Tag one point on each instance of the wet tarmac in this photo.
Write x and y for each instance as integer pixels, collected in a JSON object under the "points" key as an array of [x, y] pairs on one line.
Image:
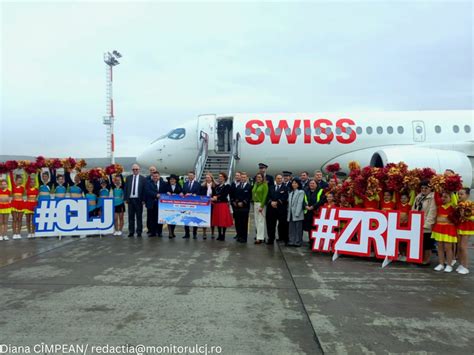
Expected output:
{"points": [[247, 299]]}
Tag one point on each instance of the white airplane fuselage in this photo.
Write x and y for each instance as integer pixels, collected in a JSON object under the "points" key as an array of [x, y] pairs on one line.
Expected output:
{"points": [[310, 141]]}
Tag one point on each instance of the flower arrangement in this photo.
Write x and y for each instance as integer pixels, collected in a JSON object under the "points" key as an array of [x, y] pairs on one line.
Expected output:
{"points": [[114, 169], [68, 163]]}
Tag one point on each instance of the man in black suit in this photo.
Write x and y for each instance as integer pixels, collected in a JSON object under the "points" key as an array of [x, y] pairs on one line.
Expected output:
{"points": [[287, 177], [233, 187], [304, 178], [135, 198], [240, 200], [262, 168], [318, 177], [191, 188], [277, 210], [153, 189], [151, 169]]}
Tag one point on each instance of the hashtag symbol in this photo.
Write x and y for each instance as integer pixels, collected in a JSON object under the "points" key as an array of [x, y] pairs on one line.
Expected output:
{"points": [[45, 216], [323, 232]]}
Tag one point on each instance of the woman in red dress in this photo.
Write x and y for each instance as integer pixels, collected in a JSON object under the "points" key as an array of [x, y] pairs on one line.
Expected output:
{"points": [[18, 205], [31, 202], [5, 208], [221, 216], [330, 201], [388, 203], [465, 230], [444, 230]]}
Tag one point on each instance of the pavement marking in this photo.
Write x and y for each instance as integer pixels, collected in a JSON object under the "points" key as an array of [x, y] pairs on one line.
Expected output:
{"points": [[315, 335]]}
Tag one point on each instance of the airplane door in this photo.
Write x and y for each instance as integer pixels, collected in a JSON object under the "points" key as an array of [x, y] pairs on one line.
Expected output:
{"points": [[419, 131], [207, 124]]}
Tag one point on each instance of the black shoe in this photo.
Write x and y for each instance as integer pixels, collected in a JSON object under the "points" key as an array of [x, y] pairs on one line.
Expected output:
{"points": [[204, 237], [270, 242], [186, 237], [160, 235], [243, 241], [139, 235], [221, 239], [195, 237], [151, 235], [236, 237], [130, 235], [170, 237]]}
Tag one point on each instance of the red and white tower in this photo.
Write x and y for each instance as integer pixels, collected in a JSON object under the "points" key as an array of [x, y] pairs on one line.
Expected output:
{"points": [[110, 60]]}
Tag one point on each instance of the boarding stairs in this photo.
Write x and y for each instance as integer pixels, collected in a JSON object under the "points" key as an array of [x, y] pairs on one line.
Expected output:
{"points": [[216, 162]]}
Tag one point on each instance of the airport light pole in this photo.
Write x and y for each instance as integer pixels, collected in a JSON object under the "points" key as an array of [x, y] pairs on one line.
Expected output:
{"points": [[110, 60]]}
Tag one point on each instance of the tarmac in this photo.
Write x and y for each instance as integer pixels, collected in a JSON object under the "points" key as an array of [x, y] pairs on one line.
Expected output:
{"points": [[246, 299]]}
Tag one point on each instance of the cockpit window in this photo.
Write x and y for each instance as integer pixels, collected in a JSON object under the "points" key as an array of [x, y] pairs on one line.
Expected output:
{"points": [[177, 133]]}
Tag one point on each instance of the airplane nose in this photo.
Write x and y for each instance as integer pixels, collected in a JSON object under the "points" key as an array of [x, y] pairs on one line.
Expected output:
{"points": [[145, 158]]}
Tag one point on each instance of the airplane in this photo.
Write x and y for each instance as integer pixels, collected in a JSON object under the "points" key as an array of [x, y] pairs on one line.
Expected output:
{"points": [[310, 141]]}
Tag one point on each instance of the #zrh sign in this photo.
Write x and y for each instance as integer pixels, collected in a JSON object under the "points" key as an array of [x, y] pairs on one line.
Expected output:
{"points": [[368, 232]]}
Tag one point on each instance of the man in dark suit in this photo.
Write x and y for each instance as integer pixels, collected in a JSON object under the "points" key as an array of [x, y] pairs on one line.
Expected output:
{"points": [[304, 178], [240, 200], [151, 169], [287, 177], [277, 210], [135, 198], [233, 187], [153, 189], [191, 188], [318, 177], [262, 168]]}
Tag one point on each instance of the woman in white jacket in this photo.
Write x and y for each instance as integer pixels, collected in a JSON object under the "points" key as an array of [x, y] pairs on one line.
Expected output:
{"points": [[295, 214], [425, 202]]}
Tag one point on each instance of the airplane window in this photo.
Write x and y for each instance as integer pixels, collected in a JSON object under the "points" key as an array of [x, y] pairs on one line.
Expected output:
{"points": [[278, 131], [298, 131], [177, 133], [348, 130], [400, 129], [258, 131], [328, 130], [338, 130], [379, 130], [359, 130], [307, 131], [248, 131], [389, 129], [287, 131], [467, 128], [456, 129], [267, 131], [369, 130], [438, 129], [318, 131]]}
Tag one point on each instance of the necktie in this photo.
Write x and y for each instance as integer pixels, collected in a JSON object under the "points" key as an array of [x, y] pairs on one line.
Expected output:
{"points": [[133, 185]]}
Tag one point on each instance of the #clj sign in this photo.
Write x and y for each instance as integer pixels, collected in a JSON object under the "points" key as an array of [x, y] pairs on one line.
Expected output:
{"points": [[69, 216]]}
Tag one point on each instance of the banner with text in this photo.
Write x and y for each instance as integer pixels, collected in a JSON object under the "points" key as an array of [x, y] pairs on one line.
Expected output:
{"points": [[193, 211], [69, 216], [368, 233]]}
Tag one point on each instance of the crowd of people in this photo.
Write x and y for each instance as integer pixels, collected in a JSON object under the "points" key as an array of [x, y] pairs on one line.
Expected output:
{"points": [[283, 206]]}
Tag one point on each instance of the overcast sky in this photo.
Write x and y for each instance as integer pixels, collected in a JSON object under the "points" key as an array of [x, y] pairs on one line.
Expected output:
{"points": [[184, 59]]}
